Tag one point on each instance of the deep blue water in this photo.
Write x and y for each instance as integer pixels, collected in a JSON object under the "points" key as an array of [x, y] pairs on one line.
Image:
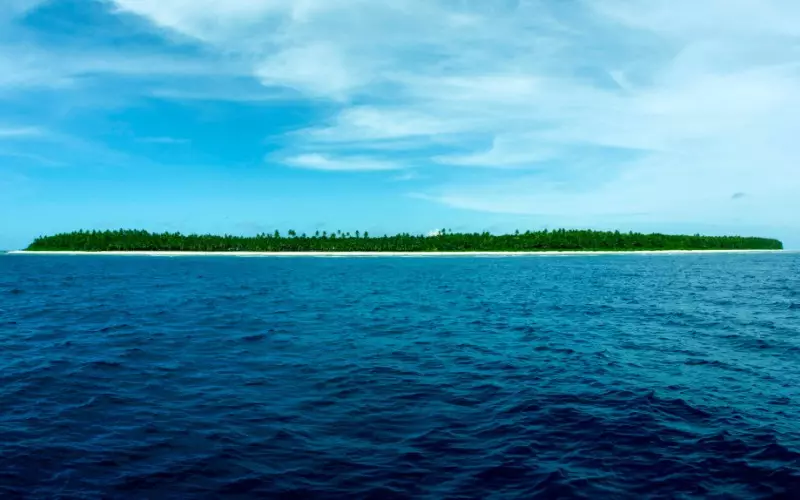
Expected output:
{"points": [[621, 376]]}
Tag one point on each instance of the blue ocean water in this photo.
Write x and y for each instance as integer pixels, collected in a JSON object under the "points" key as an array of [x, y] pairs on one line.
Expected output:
{"points": [[619, 376]]}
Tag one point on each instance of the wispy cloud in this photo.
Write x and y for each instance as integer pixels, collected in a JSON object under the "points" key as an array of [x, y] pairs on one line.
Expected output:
{"points": [[32, 158], [28, 61], [20, 132], [588, 111], [313, 161], [27, 67], [703, 96], [227, 91], [407, 176]]}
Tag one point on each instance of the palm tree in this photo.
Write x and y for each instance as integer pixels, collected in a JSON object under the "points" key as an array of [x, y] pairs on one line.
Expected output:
{"points": [[558, 239]]}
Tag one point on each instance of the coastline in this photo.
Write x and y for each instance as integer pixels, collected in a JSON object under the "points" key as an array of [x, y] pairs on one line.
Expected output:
{"points": [[384, 254]]}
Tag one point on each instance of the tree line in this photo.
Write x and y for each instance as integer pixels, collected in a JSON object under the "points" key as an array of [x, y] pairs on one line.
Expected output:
{"points": [[444, 241]]}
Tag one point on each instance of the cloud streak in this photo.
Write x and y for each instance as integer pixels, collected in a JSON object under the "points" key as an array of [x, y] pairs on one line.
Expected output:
{"points": [[315, 161], [20, 132]]}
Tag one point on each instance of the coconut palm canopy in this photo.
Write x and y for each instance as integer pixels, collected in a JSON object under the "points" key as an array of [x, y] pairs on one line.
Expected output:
{"points": [[444, 241]]}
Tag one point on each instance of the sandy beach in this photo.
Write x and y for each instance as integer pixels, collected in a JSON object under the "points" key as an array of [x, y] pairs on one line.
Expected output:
{"points": [[388, 254]]}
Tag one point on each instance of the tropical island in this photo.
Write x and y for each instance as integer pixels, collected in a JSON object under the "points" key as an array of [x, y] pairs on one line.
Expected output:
{"points": [[560, 240]]}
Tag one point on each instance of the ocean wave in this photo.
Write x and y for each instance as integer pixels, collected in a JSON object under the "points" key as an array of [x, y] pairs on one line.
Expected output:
{"points": [[400, 378]]}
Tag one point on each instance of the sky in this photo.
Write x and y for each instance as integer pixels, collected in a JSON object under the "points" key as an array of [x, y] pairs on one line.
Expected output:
{"points": [[246, 116]]}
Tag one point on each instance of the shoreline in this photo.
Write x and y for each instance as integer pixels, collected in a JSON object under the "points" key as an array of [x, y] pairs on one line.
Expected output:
{"points": [[383, 254]]}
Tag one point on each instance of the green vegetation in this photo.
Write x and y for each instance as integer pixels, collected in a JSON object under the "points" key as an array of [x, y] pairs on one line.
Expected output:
{"points": [[445, 241]]}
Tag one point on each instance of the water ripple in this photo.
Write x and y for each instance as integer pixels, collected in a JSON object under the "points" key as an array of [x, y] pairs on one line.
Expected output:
{"points": [[597, 377]]}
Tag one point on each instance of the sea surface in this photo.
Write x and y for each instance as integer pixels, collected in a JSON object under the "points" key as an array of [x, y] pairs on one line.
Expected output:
{"points": [[615, 376]]}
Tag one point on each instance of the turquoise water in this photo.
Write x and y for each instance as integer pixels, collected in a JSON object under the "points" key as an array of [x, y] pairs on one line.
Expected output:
{"points": [[624, 376]]}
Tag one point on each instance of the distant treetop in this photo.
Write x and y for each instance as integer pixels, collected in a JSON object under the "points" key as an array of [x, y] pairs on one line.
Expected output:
{"points": [[443, 241]]}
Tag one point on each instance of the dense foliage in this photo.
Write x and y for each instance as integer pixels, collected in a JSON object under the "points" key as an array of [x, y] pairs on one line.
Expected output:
{"points": [[443, 242]]}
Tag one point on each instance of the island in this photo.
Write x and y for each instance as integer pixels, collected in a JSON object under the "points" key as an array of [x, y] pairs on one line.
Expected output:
{"points": [[443, 241]]}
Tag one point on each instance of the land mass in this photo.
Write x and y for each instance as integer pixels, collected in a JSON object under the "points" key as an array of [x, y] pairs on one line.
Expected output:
{"points": [[444, 241]]}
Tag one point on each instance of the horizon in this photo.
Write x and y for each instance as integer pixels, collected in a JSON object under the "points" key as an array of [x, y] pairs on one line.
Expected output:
{"points": [[441, 241], [243, 117], [357, 234]]}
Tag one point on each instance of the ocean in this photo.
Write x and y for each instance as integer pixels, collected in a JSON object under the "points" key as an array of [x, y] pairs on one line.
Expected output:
{"points": [[612, 376]]}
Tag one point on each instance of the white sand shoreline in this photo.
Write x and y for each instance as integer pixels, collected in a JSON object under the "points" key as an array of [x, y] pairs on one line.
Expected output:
{"points": [[388, 254]]}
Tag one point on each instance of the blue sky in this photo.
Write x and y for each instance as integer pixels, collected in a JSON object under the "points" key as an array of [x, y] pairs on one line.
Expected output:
{"points": [[244, 116]]}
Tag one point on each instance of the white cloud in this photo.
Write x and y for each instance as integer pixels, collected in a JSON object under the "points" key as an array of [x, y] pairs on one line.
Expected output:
{"points": [[507, 150], [689, 20], [20, 132], [406, 176], [24, 67], [658, 109], [315, 69], [222, 91], [680, 104], [371, 123], [314, 161]]}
